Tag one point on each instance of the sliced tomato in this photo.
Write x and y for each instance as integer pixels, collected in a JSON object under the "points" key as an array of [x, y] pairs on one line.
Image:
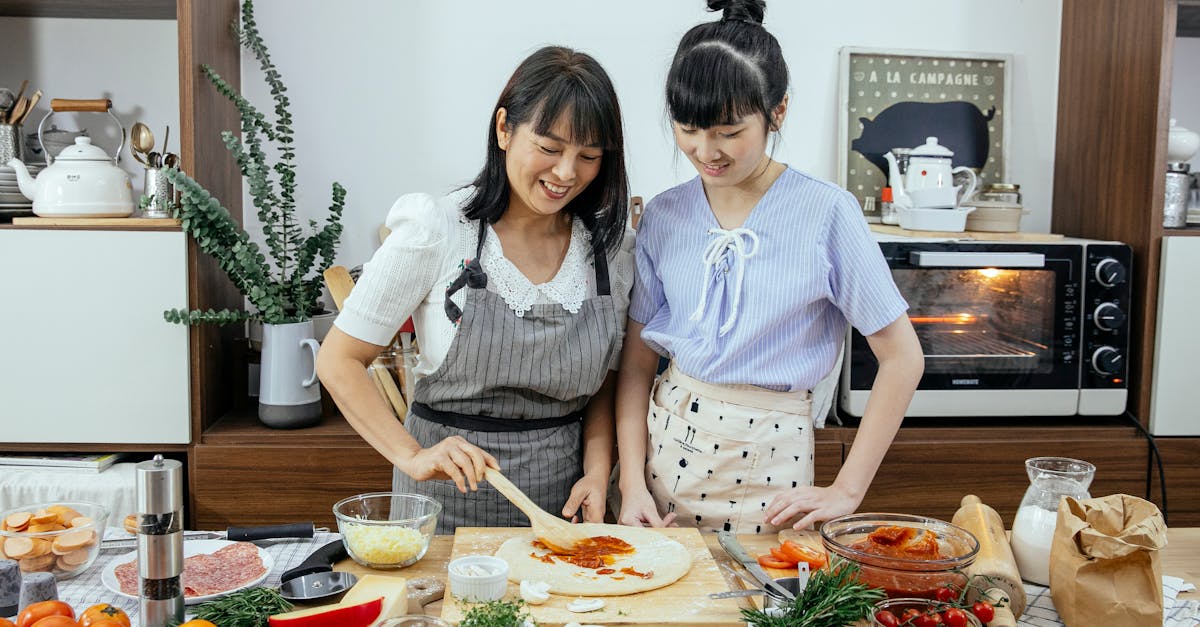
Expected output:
{"points": [[766, 561], [801, 553], [780, 556]]}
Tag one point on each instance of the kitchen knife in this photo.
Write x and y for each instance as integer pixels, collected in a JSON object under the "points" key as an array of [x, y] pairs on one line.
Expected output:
{"points": [[734, 548], [320, 561], [236, 534]]}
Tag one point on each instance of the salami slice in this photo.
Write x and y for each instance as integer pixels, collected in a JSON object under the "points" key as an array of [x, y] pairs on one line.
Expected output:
{"points": [[206, 573]]}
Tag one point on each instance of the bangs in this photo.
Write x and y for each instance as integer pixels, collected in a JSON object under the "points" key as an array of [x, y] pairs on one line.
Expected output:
{"points": [[594, 121], [712, 85]]}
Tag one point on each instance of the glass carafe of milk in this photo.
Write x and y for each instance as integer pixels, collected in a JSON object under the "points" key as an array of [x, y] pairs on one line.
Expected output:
{"points": [[1050, 479]]}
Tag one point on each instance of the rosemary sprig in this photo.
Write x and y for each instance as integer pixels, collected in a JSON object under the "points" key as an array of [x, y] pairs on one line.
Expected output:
{"points": [[832, 598], [244, 608]]}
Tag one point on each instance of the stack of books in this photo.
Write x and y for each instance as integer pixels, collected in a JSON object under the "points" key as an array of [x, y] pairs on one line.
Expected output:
{"points": [[94, 462]]}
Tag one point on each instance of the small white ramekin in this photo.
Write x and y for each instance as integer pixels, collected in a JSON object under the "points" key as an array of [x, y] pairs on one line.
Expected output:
{"points": [[476, 588]]}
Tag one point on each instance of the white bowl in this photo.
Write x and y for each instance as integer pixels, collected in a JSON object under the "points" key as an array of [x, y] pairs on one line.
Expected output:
{"points": [[950, 220], [477, 578]]}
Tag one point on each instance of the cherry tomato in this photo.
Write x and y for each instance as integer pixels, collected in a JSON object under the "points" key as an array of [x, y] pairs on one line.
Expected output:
{"points": [[766, 561], [945, 595], [887, 619], [56, 621], [103, 612], [801, 553], [42, 609], [955, 617], [910, 614], [932, 619], [983, 611]]}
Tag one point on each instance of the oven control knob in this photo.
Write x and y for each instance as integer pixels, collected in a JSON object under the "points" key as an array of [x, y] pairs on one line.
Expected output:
{"points": [[1108, 317], [1110, 272], [1107, 361]]}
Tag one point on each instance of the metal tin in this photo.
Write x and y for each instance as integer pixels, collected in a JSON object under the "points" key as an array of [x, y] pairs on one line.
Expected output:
{"points": [[1176, 203], [10, 143], [160, 194], [160, 541]]}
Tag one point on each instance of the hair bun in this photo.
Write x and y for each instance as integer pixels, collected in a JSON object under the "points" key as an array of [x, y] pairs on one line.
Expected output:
{"points": [[749, 11]]}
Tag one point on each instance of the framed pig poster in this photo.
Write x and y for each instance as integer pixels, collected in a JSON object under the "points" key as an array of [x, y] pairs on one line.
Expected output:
{"points": [[898, 98]]}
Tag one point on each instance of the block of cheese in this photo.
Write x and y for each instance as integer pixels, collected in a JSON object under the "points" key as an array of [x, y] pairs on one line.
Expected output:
{"points": [[393, 590], [372, 600]]}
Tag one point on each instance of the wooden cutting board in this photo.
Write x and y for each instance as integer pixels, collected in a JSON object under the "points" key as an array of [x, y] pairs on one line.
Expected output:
{"points": [[684, 602]]}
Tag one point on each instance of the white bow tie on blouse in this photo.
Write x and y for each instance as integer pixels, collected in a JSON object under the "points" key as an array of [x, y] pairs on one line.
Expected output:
{"points": [[743, 243]]}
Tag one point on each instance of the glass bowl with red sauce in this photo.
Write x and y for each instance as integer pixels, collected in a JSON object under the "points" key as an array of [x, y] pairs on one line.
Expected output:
{"points": [[908, 556]]}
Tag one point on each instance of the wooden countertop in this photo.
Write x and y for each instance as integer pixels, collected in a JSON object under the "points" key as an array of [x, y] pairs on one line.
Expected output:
{"points": [[1181, 558]]}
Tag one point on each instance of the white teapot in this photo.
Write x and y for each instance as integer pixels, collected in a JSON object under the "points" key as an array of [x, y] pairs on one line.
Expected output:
{"points": [[929, 180], [83, 181]]}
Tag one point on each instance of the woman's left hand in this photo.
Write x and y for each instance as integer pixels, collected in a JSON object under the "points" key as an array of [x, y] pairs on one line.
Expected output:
{"points": [[589, 493], [813, 504]]}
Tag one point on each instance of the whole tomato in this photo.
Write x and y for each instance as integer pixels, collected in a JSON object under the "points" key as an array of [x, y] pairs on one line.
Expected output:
{"points": [[197, 622], [56, 621], [103, 612], [42, 609], [4, 622], [108, 622], [983, 611], [910, 615], [954, 617], [887, 619], [945, 595]]}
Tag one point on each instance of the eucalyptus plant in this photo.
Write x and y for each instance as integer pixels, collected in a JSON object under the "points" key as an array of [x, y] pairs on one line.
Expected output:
{"points": [[287, 286]]}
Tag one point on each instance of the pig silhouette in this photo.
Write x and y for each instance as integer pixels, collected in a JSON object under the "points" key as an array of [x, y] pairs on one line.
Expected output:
{"points": [[959, 126]]}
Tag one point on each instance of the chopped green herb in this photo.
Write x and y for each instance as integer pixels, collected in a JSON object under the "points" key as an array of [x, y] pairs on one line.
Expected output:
{"points": [[245, 608], [497, 614]]}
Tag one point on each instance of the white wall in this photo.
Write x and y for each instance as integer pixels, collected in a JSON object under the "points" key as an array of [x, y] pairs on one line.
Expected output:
{"points": [[1185, 87], [394, 97], [134, 63]]}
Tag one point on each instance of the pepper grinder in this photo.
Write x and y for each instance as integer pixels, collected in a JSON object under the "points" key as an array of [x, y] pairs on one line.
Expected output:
{"points": [[160, 541]]}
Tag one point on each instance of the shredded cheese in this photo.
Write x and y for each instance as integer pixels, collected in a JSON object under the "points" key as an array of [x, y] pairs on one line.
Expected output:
{"points": [[383, 545]]}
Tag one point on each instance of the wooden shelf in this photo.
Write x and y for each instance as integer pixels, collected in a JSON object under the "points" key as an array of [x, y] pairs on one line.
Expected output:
{"points": [[1187, 231], [110, 9], [244, 429], [96, 224]]}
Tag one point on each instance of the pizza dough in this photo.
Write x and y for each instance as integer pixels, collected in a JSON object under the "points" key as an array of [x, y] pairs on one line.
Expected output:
{"points": [[662, 560]]}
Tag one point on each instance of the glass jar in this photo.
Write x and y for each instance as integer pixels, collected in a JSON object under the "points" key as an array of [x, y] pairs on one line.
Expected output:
{"points": [[1004, 192], [1050, 479]]}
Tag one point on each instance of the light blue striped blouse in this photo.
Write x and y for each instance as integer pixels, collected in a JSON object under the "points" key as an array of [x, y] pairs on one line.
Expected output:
{"points": [[778, 292]]}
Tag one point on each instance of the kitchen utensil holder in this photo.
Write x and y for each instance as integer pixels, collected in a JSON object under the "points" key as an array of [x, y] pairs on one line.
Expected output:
{"points": [[159, 195], [10, 143]]}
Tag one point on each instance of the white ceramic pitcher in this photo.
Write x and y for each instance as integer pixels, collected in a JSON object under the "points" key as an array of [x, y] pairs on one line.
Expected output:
{"points": [[929, 181], [289, 396]]}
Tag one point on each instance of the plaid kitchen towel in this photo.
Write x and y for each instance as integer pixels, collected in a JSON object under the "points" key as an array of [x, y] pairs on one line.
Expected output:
{"points": [[1040, 612]]}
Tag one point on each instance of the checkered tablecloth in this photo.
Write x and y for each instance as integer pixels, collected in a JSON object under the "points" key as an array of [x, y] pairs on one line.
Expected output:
{"points": [[87, 589], [1040, 612]]}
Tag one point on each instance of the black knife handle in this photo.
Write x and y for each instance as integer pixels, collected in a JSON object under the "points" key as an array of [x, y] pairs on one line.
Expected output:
{"points": [[322, 560], [249, 534]]}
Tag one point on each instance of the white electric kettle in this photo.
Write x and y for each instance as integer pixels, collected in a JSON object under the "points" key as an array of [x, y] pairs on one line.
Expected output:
{"points": [[83, 181], [929, 181]]}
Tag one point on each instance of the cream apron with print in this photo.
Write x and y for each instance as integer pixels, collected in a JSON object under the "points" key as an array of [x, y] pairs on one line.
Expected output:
{"points": [[718, 454], [515, 386]]}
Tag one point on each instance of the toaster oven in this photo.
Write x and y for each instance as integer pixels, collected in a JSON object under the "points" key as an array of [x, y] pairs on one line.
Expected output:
{"points": [[1008, 328]]}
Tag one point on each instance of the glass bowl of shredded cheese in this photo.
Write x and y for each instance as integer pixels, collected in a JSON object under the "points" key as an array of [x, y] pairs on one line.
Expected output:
{"points": [[387, 529]]}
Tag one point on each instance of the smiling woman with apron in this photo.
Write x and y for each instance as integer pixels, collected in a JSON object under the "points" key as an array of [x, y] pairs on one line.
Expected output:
{"points": [[516, 387], [519, 321]]}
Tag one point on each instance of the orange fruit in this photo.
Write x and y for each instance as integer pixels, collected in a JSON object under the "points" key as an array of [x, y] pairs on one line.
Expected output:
{"points": [[56, 621], [35, 612], [102, 613], [197, 622]]}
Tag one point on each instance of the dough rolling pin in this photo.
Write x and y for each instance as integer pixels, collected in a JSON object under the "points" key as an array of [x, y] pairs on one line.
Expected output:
{"points": [[994, 560]]}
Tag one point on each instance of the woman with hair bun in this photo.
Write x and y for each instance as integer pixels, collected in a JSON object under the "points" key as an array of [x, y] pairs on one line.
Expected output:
{"points": [[747, 276], [518, 286]]}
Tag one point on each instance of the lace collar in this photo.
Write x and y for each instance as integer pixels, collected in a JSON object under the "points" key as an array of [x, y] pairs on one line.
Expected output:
{"points": [[568, 287]]}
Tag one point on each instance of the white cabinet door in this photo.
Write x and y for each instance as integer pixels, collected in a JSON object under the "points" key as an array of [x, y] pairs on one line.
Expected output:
{"points": [[1173, 406], [85, 355]]}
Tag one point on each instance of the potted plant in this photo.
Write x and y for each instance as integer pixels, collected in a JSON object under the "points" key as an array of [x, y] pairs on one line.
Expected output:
{"points": [[284, 286]]}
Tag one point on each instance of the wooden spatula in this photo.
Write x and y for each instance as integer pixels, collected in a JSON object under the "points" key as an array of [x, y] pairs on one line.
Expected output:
{"points": [[339, 282], [556, 533]]}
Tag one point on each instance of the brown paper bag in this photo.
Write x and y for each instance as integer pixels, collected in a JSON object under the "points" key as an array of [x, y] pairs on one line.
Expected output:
{"points": [[1104, 563]]}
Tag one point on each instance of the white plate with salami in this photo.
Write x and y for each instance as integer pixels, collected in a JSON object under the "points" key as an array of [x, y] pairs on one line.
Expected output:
{"points": [[211, 568]]}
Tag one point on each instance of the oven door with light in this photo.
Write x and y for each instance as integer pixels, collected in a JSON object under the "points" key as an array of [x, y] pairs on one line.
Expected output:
{"points": [[998, 323]]}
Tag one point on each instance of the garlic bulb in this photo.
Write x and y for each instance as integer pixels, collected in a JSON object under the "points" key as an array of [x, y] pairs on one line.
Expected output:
{"points": [[535, 592]]}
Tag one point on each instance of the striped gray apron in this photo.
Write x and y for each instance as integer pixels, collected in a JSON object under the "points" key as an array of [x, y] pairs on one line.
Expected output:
{"points": [[515, 387]]}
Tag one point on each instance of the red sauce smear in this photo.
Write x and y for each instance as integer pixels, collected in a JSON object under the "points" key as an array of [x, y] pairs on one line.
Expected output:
{"points": [[902, 542], [634, 573], [595, 553], [605, 571]]}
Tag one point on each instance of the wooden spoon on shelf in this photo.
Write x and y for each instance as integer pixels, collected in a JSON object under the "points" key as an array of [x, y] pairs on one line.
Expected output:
{"points": [[556, 533]]}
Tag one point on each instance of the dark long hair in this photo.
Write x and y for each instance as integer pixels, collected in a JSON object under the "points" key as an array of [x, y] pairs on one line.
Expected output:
{"points": [[725, 70], [552, 82]]}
